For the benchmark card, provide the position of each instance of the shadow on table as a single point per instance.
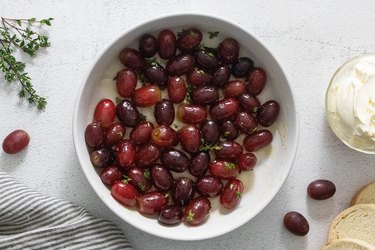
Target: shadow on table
(9, 163)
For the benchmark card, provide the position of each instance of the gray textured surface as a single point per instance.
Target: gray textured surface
(311, 39)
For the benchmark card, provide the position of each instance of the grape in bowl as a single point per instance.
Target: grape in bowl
(274, 162)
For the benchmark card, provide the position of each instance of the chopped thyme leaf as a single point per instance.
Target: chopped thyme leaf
(142, 117)
(213, 34)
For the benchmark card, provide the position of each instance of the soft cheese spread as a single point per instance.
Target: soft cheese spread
(351, 103)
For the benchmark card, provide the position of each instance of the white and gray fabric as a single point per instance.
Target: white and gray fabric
(30, 220)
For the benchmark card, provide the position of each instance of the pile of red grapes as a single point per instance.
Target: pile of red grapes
(214, 92)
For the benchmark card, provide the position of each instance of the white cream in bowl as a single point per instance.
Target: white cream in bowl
(350, 103)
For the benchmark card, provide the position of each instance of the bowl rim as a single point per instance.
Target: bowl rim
(288, 163)
(326, 101)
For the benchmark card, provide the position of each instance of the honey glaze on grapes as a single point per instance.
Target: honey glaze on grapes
(106, 88)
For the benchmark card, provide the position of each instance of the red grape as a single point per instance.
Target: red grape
(209, 186)
(189, 39)
(234, 88)
(176, 89)
(224, 109)
(148, 45)
(125, 153)
(228, 50)
(223, 169)
(126, 81)
(139, 179)
(268, 113)
(228, 150)
(191, 113)
(147, 95)
(246, 122)
(247, 161)
(164, 136)
(166, 44)
(162, 178)
(125, 193)
(152, 202)
(180, 64)
(182, 190)
(231, 193)
(164, 112)
(110, 175)
(257, 140)
(16, 141)
(105, 112)
(94, 135)
(147, 155)
(198, 77)
(127, 113)
(190, 138)
(256, 79)
(199, 164)
(141, 134)
(114, 134)
(132, 59)
(175, 160)
(242, 66)
(170, 215)
(197, 210)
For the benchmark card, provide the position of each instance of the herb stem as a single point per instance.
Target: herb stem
(18, 29)
(19, 33)
(21, 79)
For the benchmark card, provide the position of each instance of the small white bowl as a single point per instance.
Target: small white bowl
(274, 162)
(343, 130)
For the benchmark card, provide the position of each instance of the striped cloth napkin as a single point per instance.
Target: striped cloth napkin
(30, 220)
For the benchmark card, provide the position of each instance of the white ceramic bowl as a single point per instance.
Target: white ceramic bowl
(344, 131)
(274, 162)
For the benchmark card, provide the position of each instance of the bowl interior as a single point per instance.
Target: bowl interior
(342, 130)
(274, 162)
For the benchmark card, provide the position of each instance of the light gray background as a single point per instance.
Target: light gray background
(311, 39)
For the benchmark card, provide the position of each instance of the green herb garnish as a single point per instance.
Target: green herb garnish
(21, 34)
(147, 174)
(189, 93)
(141, 76)
(142, 117)
(213, 34)
(209, 147)
(229, 165)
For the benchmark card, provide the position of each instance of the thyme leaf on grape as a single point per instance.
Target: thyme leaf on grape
(238, 194)
(210, 147)
(126, 179)
(229, 165)
(22, 34)
(141, 186)
(147, 174)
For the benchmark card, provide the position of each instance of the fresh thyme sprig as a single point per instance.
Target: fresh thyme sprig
(21, 34)
(209, 147)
